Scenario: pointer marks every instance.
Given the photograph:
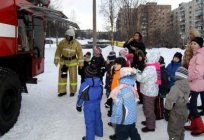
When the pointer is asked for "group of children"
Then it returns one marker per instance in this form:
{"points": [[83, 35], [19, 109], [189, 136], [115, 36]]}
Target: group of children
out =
{"points": [[155, 83]]}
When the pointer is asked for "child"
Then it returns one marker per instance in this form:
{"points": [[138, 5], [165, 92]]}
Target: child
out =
{"points": [[196, 82], [114, 82], [140, 59], [90, 94], [125, 107], [98, 62], [87, 60], [173, 66], [176, 103], [149, 83], [163, 90], [127, 56], [109, 69]]}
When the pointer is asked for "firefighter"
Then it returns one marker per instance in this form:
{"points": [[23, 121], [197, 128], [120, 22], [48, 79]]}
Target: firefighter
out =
{"points": [[68, 54]]}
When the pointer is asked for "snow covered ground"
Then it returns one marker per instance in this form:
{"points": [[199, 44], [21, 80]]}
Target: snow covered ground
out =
{"points": [[44, 116]]}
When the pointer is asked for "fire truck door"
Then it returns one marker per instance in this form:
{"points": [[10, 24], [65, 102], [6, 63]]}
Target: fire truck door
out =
{"points": [[38, 45]]}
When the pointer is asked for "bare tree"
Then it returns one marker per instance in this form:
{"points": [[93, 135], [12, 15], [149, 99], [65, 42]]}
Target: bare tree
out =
{"points": [[55, 4], [109, 10]]}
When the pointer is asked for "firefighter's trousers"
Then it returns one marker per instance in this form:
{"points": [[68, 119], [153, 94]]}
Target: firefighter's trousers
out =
{"points": [[71, 74]]}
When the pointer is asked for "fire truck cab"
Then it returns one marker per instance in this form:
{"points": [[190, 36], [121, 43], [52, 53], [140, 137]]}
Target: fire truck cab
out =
{"points": [[22, 41]]}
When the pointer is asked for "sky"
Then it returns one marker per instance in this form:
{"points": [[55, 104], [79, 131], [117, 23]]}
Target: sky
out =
{"points": [[80, 11]]}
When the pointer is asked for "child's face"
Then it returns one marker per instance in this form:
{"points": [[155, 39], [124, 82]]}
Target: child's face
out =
{"points": [[194, 46], [140, 58], [87, 57], [176, 59], [117, 66]]}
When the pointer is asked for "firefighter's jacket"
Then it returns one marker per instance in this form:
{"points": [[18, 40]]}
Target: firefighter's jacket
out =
{"points": [[69, 49]]}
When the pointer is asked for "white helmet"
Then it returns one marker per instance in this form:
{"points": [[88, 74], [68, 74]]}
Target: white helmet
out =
{"points": [[70, 32]]}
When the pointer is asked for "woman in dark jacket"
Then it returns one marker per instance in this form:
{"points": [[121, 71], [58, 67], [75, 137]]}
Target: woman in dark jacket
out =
{"points": [[134, 44]]}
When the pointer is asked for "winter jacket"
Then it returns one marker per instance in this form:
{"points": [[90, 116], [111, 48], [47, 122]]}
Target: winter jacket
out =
{"points": [[171, 69], [177, 99], [139, 45], [125, 108], [69, 49], [196, 71], [81, 71], [164, 87], [99, 64], [115, 80], [93, 86], [148, 77], [109, 76]]}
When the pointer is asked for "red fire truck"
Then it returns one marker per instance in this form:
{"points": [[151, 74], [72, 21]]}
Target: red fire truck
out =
{"points": [[22, 38]]}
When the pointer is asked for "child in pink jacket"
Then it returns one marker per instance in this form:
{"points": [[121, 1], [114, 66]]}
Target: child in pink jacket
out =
{"points": [[196, 83]]}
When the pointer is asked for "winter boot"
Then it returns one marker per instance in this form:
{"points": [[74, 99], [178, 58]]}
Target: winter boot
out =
{"points": [[200, 107], [62, 94], [192, 126], [199, 126], [71, 94], [113, 137], [201, 113]]}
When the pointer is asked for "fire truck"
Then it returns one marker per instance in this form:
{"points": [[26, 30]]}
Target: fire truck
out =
{"points": [[22, 40]]}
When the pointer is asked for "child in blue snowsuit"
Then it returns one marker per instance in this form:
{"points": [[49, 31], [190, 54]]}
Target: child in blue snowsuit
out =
{"points": [[173, 66], [124, 113], [90, 94]]}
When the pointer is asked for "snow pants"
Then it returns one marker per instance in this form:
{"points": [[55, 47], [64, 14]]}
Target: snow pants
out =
{"points": [[148, 108], [93, 121], [125, 131], [175, 127], [159, 108], [193, 103], [62, 82]]}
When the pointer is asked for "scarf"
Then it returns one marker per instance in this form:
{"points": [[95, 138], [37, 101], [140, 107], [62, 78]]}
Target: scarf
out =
{"points": [[157, 66]]}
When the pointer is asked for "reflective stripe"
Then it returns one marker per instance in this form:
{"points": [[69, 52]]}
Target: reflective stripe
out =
{"points": [[73, 84], [81, 60], [7, 30], [57, 57], [62, 84], [69, 50], [72, 64]]}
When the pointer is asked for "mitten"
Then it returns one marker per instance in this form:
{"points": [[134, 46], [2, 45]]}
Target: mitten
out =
{"points": [[78, 108], [166, 114]]}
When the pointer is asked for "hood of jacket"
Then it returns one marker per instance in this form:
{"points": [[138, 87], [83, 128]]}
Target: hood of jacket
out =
{"points": [[153, 56], [93, 81]]}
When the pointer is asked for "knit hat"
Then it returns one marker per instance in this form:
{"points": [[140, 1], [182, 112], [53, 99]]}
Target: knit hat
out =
{"points": [[121, 61], [181, 72], [123, 52], [178, 55], [90, 71], [127, 71], [198, 40], [97, 50], [112, 56], [161, 60]]}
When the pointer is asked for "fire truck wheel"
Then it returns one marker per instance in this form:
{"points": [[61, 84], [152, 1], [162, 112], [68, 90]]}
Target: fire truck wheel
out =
{"points": [[10, 99]]}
